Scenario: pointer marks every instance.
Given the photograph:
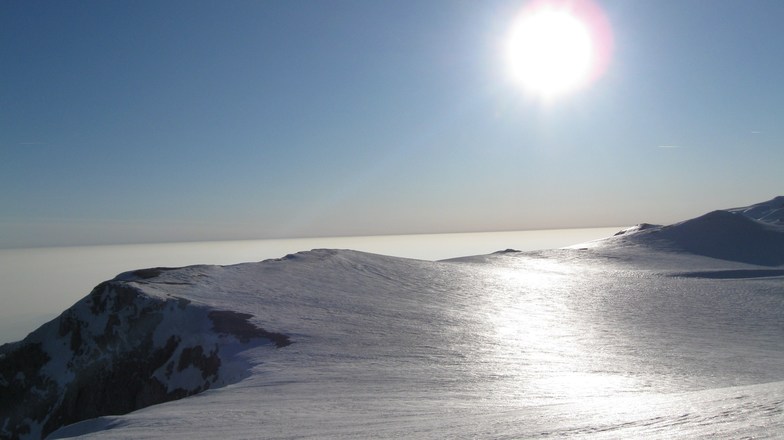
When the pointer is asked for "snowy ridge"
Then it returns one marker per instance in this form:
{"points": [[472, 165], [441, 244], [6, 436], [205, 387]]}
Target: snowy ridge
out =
{"points": [[771, 211], [753, 235], [117, 350], [635, 337]]}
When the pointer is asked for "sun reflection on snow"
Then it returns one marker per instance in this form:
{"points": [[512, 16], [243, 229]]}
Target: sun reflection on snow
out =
{"points": [[547, 345]]}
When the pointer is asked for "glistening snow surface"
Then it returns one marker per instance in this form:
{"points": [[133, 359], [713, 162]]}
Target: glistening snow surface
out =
{"points": [[625, 339], [518, 345]]}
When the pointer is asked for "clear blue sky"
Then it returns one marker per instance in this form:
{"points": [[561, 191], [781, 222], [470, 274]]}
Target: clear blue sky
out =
{"points": [[126, 121]]}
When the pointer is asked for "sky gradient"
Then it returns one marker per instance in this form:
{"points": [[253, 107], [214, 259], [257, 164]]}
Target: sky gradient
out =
{"points": [[155, 121]]}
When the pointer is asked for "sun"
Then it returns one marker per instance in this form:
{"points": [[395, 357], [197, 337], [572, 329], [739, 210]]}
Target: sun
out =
{"points": [[556, 47], [550, 52]]}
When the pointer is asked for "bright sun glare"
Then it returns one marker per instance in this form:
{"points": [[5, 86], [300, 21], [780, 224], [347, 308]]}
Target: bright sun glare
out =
{"points": [[554, 49]]}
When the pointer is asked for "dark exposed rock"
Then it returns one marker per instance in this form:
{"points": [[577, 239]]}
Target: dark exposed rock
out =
{"points": [[303, 255], [97, 301], [182, 302], [194, 356], [151, 272], [115, 351], [116, 386], [69, 324], [20, 381], [507, 251], [639, 227], [237, 325]]}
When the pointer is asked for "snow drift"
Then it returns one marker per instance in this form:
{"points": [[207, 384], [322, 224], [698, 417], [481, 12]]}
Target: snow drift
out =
{"points": [[753, 234]]}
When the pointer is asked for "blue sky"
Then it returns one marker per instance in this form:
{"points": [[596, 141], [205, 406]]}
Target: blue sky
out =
{"points": [[146, 121]]}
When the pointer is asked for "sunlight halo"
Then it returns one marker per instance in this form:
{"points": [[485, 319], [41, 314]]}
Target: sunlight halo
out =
{"points": [[556, 47]]}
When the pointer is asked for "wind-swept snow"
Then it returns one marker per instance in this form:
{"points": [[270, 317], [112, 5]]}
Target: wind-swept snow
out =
{"points": [[633, 337], [753, 235], [771, 211]]}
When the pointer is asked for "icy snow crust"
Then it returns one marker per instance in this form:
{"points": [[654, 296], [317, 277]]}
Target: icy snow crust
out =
{"points": [[630, 337]]}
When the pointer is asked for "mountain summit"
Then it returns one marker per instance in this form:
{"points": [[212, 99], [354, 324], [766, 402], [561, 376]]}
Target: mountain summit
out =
{"points": [[752, 234]]}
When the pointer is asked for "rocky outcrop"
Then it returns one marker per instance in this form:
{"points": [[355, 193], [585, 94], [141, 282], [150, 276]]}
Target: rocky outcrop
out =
{"points": [[117, 350]]}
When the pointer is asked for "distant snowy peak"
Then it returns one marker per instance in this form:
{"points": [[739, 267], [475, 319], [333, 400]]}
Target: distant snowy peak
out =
{"points": [[119, 349], [752, 234], [771, 211]]}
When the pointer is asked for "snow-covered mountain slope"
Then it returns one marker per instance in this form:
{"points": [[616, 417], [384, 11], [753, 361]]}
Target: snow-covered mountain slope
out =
{"points": [[753, 235], [121, 348], [771, 211], [621, 340]]}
